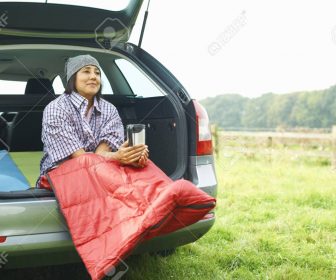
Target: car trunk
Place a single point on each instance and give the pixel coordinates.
(162, 137)
(33, 210)
(157, 113)
(160, 118)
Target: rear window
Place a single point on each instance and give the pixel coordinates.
(107, 89)
(140, 84)
(12, 87)
(58, 85)
(59, 88)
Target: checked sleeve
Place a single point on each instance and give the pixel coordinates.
(59, 134)
(112, 131)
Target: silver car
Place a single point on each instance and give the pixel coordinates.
(35, 41)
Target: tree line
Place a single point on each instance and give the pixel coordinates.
(308, 109)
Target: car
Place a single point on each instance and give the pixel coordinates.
(35, 41)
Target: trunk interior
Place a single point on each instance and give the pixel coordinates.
(127, 84)
(23, 132)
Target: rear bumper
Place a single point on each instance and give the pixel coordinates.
(177, 238)
(57, 248)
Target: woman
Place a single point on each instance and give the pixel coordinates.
(80, 121)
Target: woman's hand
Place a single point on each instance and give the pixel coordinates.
(143, 159)
(136, 156)
(129, 155)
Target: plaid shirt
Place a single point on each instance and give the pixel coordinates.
(65, 129)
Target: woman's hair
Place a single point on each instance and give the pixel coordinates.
(71, 86)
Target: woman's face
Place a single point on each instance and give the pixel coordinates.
(88, 81)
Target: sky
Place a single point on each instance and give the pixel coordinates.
(239, 46)
(246, 47)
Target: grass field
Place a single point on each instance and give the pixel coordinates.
(276, 219)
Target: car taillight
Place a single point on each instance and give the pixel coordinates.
(3, 239)
(204, 143)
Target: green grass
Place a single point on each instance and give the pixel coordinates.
(276, 219)
(29, 164)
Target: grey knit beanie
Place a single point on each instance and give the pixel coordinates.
(74, 64)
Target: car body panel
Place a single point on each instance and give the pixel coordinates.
(30, 216)
(57, 248)
(54, 21)
(202, 173)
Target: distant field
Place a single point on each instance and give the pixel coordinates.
(276, 219)
(313, 148)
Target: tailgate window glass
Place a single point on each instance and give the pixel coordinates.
(59, 88)
(58, 85)
(107, 89)
(137, 80)
(12, 87)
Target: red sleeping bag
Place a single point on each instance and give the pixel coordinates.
(110, 208)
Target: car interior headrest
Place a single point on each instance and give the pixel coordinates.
(39, 86)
